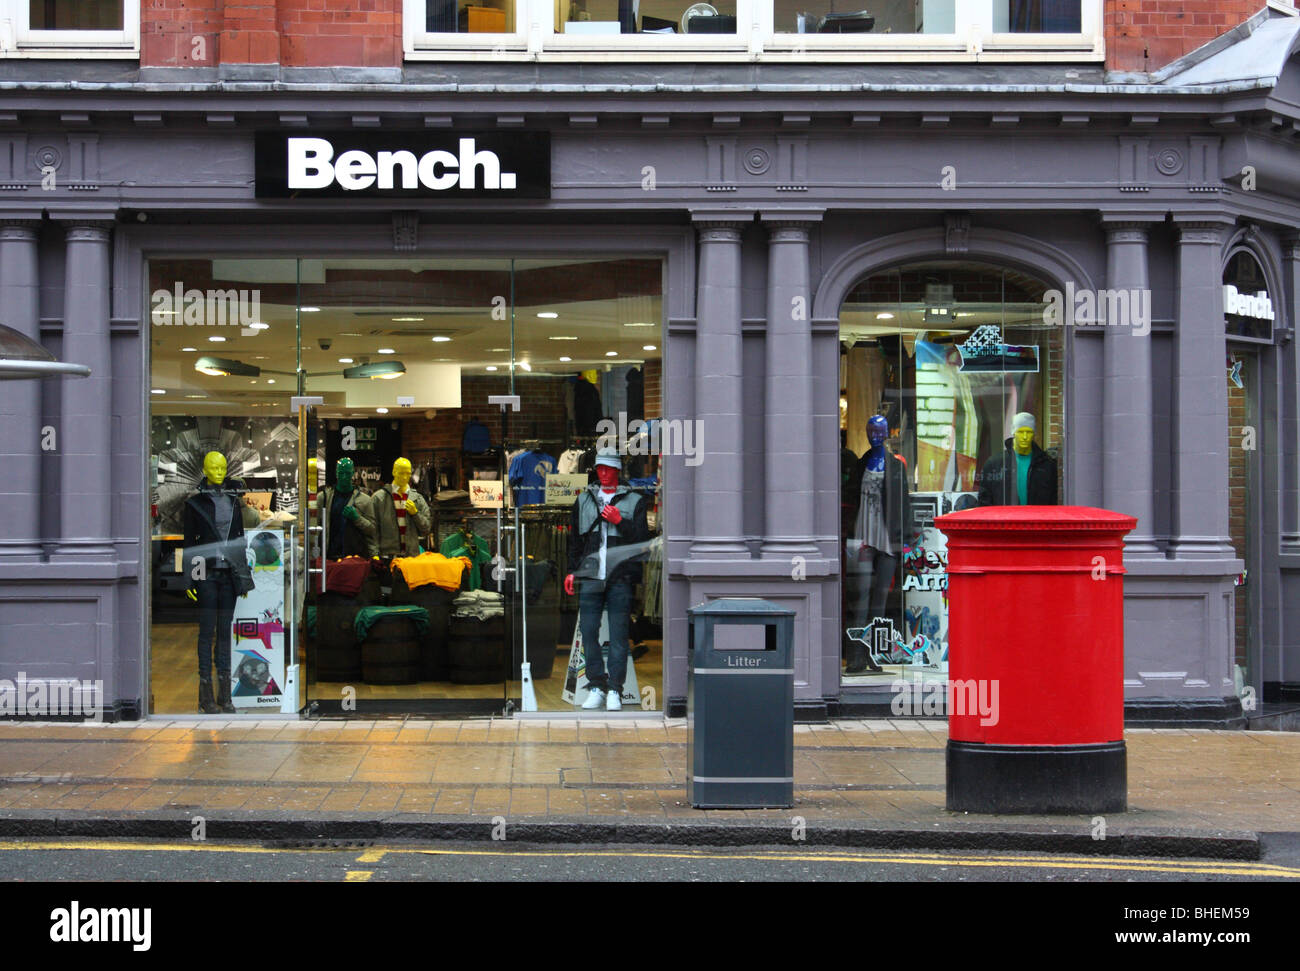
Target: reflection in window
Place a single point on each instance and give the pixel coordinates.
(462, 17)
(1037, 16)
(887, 17)
(75, 14)
(587, 17)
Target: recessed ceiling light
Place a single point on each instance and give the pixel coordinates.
(548, 315)
(490, 367)
(217, 340)
(440, 339)
(525, 365)
(611, 353)
(562, 337)
(648, 347)
(270, 380)
(310, 310)
(566, 359)
(387, 350)
(196, 396)
(157, 391)
(258, 326)
(189, 348)
(498, 350)
(885, 316)
(382, 411)
(639, 324)
(407, 320)
(345, 360)
(349, 333)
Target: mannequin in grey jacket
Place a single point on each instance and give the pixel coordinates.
(415, 515)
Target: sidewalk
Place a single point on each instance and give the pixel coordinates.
(858, 783)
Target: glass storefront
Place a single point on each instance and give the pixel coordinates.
(445, 517)
(951, 397)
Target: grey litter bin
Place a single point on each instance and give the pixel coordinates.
(740, 705)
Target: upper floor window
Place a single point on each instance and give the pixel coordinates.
(752, 27)
(35, 26)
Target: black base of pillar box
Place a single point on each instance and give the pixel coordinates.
(1037, 778)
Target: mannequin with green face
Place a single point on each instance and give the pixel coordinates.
(350, 519)
(401, 513)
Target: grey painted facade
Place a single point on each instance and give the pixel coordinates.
(770, 185)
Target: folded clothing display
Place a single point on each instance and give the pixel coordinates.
(536, 574)
(478, 605)
(443, 571)
(346, 576)
(367, 617)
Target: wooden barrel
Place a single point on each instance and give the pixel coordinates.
(390, 654)
(476, 650)
(434, 660)
(337, 656)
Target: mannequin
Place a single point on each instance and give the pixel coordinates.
(607, 518)
(876, 508)
(402, 515)
(350, 522)
(1023, 475)
(216, 562)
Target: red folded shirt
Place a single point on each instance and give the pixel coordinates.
(346, 576)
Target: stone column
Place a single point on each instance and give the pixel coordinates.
(1289, 426)
(85, 426)
(719, 396)
(789, 495)
(20, 401)
(1200, 417)
(1128, 440)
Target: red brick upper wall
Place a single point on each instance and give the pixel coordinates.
(292, 33)
(1145, 35)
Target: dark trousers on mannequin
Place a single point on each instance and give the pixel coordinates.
(868, 581)
(216, 599)
(594, 598)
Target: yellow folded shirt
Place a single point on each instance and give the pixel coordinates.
(432, 568)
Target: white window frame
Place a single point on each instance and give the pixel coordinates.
(17, 39)
(539, 36)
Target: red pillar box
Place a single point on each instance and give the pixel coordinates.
(1036, 659)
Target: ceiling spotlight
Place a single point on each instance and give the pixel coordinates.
(157, 391)
(490, 367)
(407, 320)
(566, 359)
(611, 353)
(270, 380)
(384, 370)
(309, 310)
(440, 339)
(885, 316)
(217, 340)
(387, 350)
(648, 347)
(562, 337)
(345, 360)
(189, 348)
(221, 367)
(525, 365)
(548, 315)
(382, 411)
(258, 326)
(639, 324)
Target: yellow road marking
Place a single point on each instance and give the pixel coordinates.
(358, 876)
(1119, 864)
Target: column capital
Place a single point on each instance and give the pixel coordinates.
(794, 218)
(1203, 227)
(1134, 220)
(1291, 248)
(726, 219)
(1127, 232)
(89, 230)
(23, 230)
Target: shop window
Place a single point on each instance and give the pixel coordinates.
(405, 355)
(601, 17)
(1037, 16)
(889, 17)
(951, 387)
(462, 17)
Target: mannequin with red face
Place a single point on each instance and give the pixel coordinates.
(608, 478)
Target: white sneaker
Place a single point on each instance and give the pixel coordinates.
(612, 701)
(595, 699)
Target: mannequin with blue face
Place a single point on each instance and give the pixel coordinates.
(877, 432)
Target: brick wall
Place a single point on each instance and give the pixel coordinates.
(1145, 35)
(654, 376)
(1238, 483)
(293, 33)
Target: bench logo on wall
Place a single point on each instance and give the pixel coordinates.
(403, 165)
(257, 647)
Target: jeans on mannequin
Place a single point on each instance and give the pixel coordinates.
(216, 599)
(869, 586)
(594, 598)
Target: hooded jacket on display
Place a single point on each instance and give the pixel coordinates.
(632, 532)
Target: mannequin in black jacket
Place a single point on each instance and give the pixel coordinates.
(874, 535)
(999, 480)
(216, 562)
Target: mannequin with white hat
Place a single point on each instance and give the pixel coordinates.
(609, 534)
(1023, 475)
